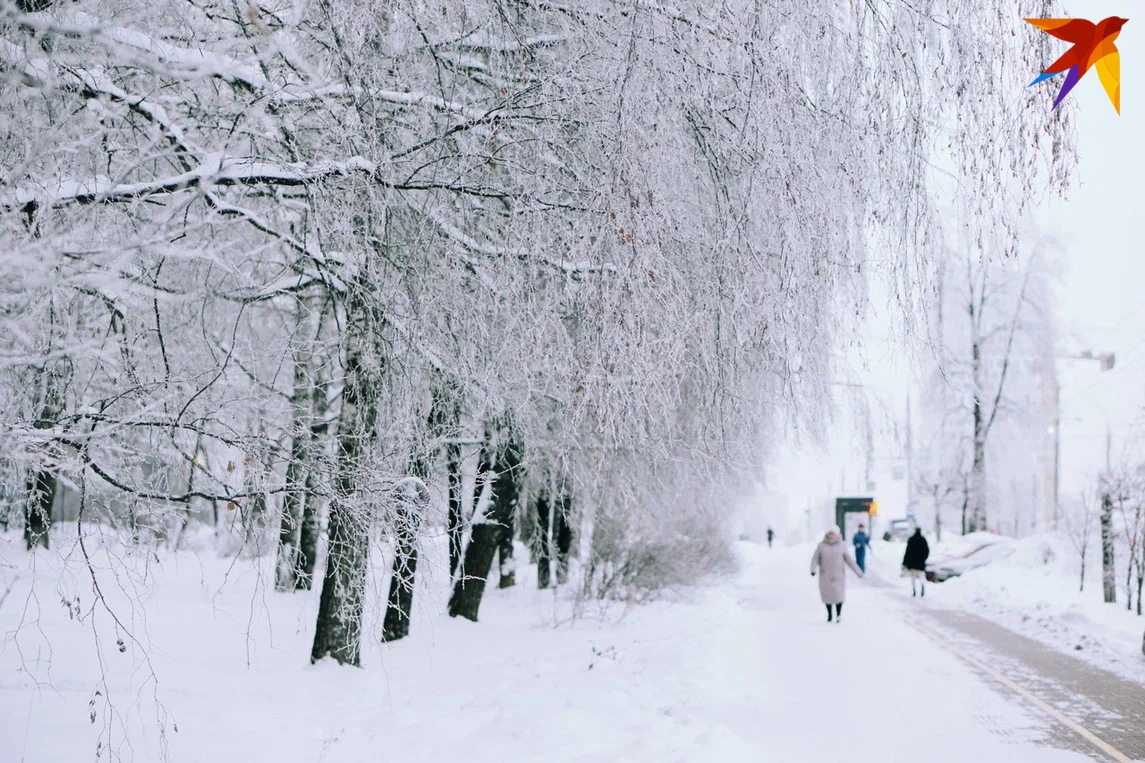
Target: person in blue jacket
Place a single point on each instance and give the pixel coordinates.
(862, 543)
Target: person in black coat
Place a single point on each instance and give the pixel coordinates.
(914, 561)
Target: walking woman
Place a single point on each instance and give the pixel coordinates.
(831, 560)
(914, 561)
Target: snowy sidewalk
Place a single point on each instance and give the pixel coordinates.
(1101, 702)
(872, 688)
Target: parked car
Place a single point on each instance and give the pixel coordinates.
(900, 530)
(981, 554)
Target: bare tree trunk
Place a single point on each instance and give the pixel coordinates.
(466, 599)
(455, 519)
(489, 529)
(507, 566)
(562, 532)
(1140, 577)
(1081, 588)
(965, 502)
(1129, 585)
(506, 497)
(311, 528)
(938, 521)
(38, 511)
(484, 477)
(44, 482)
(289, 568)
(1107, 559)
(978, 463)
(338, 632)
(256, 513)
(193, 464)
(1140, 583)
(1134, 562)
(543, 516)
(412, 499)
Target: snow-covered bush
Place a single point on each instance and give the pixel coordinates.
(636, 565)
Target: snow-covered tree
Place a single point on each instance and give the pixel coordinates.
(247, 246)
(993, 340)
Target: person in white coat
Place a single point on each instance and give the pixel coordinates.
(831, 560)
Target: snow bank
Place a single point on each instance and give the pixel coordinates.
(196, 658)
(1035, 591)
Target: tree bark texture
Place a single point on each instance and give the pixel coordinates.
(978, 464)
(290, 572)
(412, 499)
(43, 483)
(486, 537)
(506, 498)
(484, 477)
(42, 487)
(311, 528)
(288, 567)
(455, 519)
(543, 541)
(554, 537)
(399, 604)
(562, 532)
(1108, 567)
(338, 633)
(466, 599)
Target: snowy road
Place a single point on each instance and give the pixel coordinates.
(746, 671)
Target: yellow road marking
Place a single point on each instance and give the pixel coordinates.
(1045, 707)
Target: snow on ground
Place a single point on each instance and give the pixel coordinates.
(1035, 592)
(746, 670)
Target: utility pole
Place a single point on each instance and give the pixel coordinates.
(1108, 445)
(1057, 449)
(909, 465)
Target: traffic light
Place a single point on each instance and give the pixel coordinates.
(874, 509)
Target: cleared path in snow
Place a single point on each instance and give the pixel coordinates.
(1105, 705)
(872, 688)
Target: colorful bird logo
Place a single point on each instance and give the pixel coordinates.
(1092, 44)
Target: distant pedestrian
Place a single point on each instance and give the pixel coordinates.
(831, 560)
(862, 543)
(914, 561)
(770, 536)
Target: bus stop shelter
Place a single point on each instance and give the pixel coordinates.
(852, 512)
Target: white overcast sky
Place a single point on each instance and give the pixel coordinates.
(1100, 301)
